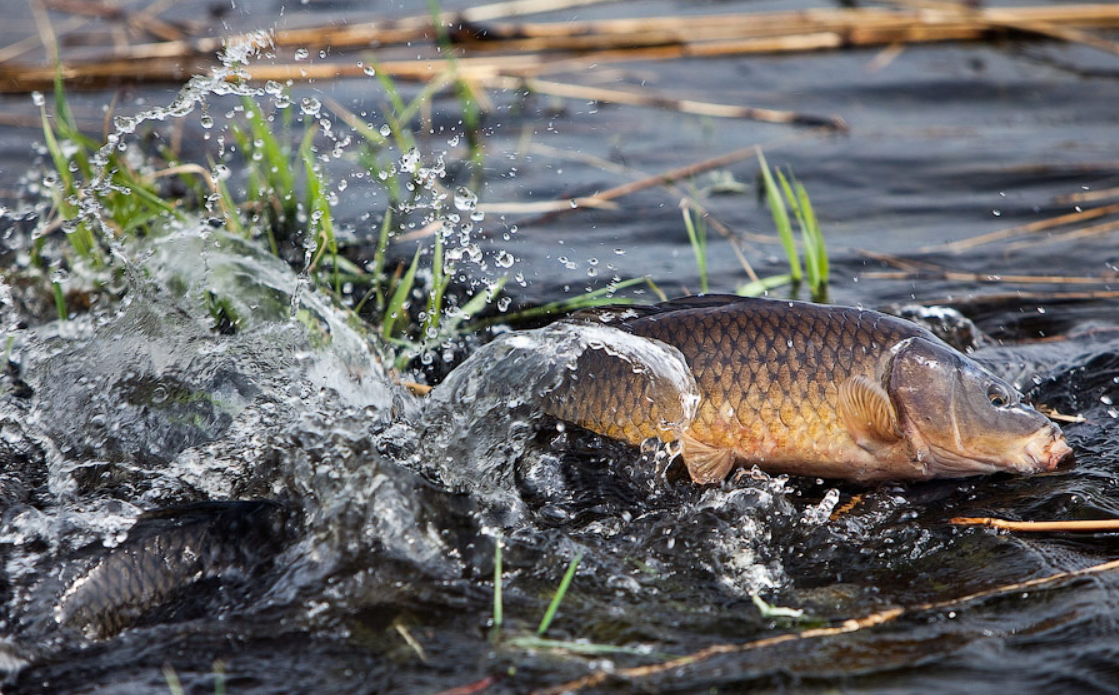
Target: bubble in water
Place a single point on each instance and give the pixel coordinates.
(301, 54)
(465, 199)
(503, 303)
(206, 121)
(310, 106)
(38, 99)
(60, 275)
(385, 131)
(369, 70)
(504, 259)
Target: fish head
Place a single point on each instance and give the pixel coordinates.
(961, 420)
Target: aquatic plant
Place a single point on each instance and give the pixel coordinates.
(783, 194)
(282, 194)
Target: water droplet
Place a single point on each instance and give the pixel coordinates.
(124, 124)
(465, 199)
(301, 54)
(310, 106)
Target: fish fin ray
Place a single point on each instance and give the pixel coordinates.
(867, 413)
(706, 463)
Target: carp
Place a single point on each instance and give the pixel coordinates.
(808, 389)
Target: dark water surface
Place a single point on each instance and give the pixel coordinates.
(360, 554)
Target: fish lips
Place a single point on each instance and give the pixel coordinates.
(1048, 450)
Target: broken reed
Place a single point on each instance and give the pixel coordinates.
(532, 47)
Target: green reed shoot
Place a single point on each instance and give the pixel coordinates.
(697, 235)
(396, 309)
(783, 194)
(781, 220)
(588, 300)
(321, 220)
(560, 593)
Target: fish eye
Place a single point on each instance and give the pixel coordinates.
(998, 396)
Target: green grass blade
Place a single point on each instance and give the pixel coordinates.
(395, 308)
(498, 618)
(379, 259)
(439, 281)
(781, 220)
(811, 266)
(476, 304)
(813, 225)
(560, 592)
(59, 302)
(759, 287)
(698, 239)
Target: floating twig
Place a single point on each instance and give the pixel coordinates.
(1088, 196)
(1030, 228)
(699, 108)
(958, 276)
(1078, 526)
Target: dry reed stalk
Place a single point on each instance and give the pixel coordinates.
(995, 17)
(987, 277)
(540, 207)
(1019, 296)
(1054, 415)
(143, 21)
(754, 33)
(699, 108)
(848, 626)
(1030, 228)
(1079, 526)
(1087, 196)
(1085, 233)
(364, 34)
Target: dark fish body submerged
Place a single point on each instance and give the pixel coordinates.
(811, 390)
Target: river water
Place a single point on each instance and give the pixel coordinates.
(270, 511)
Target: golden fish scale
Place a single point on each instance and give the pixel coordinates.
(768, 374)
(612, 396)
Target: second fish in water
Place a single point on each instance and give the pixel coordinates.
(811, 390)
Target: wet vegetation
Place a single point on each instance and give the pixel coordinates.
(223, 299)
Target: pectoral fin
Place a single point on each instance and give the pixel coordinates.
(706, 464)
(867, 413)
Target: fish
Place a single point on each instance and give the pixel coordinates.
(807, 389)
(168, 550)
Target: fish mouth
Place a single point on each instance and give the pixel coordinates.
(1045, 450)
(1048, 450)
